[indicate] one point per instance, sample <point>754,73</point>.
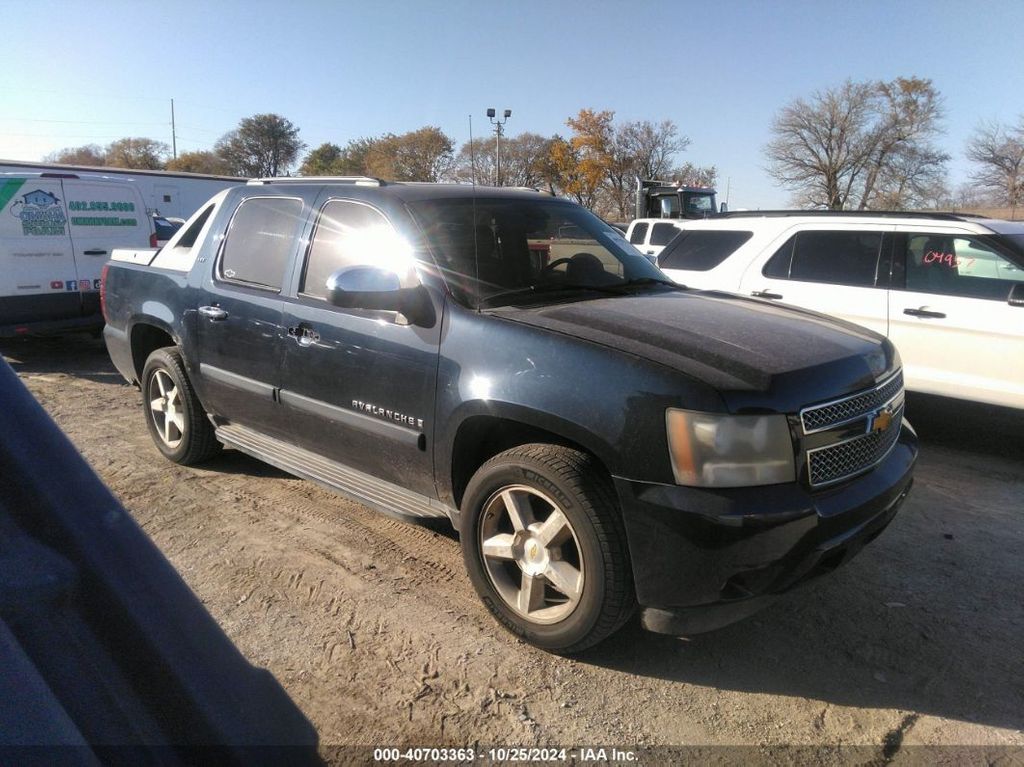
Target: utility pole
<point>499,126</point>
<point>174,135</point>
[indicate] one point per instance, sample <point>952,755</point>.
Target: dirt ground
<point>373,628</point>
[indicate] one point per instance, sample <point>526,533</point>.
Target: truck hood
<point>757,354</point>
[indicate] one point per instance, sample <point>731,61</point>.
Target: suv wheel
<point>544,544</point>
<point>175,417</point>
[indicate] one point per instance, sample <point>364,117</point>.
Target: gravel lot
<point>373,628</point>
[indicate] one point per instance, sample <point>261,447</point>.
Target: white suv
<point>651,235</point>
<point>947,289</point>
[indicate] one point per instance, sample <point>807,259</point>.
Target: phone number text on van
<point>100,205</point>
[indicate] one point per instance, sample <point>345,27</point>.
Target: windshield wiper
<point>552,287</point>
<point>639,281</point>
<point>616,289</point>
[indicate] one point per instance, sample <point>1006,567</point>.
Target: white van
<point>56,232</point>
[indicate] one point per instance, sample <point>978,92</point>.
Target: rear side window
<point>959,266</point>
<point>839,258</point>
<point>260,239</point>
<point>637,235</point>
<point>662,234</point>
<point>699,250</point>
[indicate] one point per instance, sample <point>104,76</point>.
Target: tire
<point>545,547</point>
<point>175,418</point>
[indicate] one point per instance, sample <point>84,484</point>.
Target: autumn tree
<point>610,156</point>
<point>89,154</point>
<point>852,145</point>
<point>577,176</point>
<point>263,145</point>
<point>426,154</point>
<point>997,152</point>
<point>204,162</point>
<point>137,153</point>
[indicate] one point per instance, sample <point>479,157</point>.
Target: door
<point>238,318</point>
<point>841,272</point>
<point>167,200</point>
<point>359,385</point>
<point>951,319</point>
<point>37,270</point>
<point>102,216</point>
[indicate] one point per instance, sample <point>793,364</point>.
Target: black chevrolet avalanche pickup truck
<point>601,437</point>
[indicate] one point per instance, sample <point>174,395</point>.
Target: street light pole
<point>499,128</point>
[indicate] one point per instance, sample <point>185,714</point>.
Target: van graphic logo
<point>41,214</point>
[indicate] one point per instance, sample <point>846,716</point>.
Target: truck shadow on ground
<point>927,619</point>
<point>79,355</point>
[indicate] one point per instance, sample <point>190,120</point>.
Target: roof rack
<point>357,180</point>
<point>942,216</point>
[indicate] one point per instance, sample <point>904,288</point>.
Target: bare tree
<point>89,154</point>
<point>821,146</point>
<point>904,168</point>
<point>998,155</point>
<point>689,174</point>
<point>199,162</point>
<point>523,161</point>
<point>847,146</point>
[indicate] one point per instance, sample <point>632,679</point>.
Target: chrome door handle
<point>213,313</point>
<point>926,313</point>
<point>766,294</point>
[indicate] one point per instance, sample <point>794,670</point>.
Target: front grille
<point>844,459</point>
<point>820,417</point>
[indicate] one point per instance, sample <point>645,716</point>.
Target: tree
<point>523,161</point>
<point>609,157</point>
<point>89,154</point>
<point>263,145</point>
<point>849,145</point>
<point>426,154</point>
<point>331,160</point>
<point>998,154</point>
<point>137,153</point>
<point>574,175</point>
<point>689,174</point>
<point>199,162</point>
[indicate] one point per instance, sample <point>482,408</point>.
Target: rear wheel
<point>545,548</point>
<point>175,417</point>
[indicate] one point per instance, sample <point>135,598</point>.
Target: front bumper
<point>704,558</point>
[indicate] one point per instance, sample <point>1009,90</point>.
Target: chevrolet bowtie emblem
<point>880,421</point>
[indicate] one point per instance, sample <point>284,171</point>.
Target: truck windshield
<point>698,203</point>
<point>503,251</point>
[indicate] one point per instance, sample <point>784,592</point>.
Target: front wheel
<point>545,547</point>
<point>175,417</point>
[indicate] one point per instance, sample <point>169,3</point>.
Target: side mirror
<point>370,287</point>
<point>723,208</point>
<point>1016,297</point>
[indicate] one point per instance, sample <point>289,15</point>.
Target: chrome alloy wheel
<point>531,554</point>
<point>166,408</point>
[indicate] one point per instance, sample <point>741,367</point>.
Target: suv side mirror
<point>1016,297</point>
<point>370,287</point>
<point>723,208</point>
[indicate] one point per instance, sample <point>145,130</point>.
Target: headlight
<point>712,450</point>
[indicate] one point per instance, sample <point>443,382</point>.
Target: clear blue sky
<point>86,72</point>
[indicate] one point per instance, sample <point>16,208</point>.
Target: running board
<point>381,495</point>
